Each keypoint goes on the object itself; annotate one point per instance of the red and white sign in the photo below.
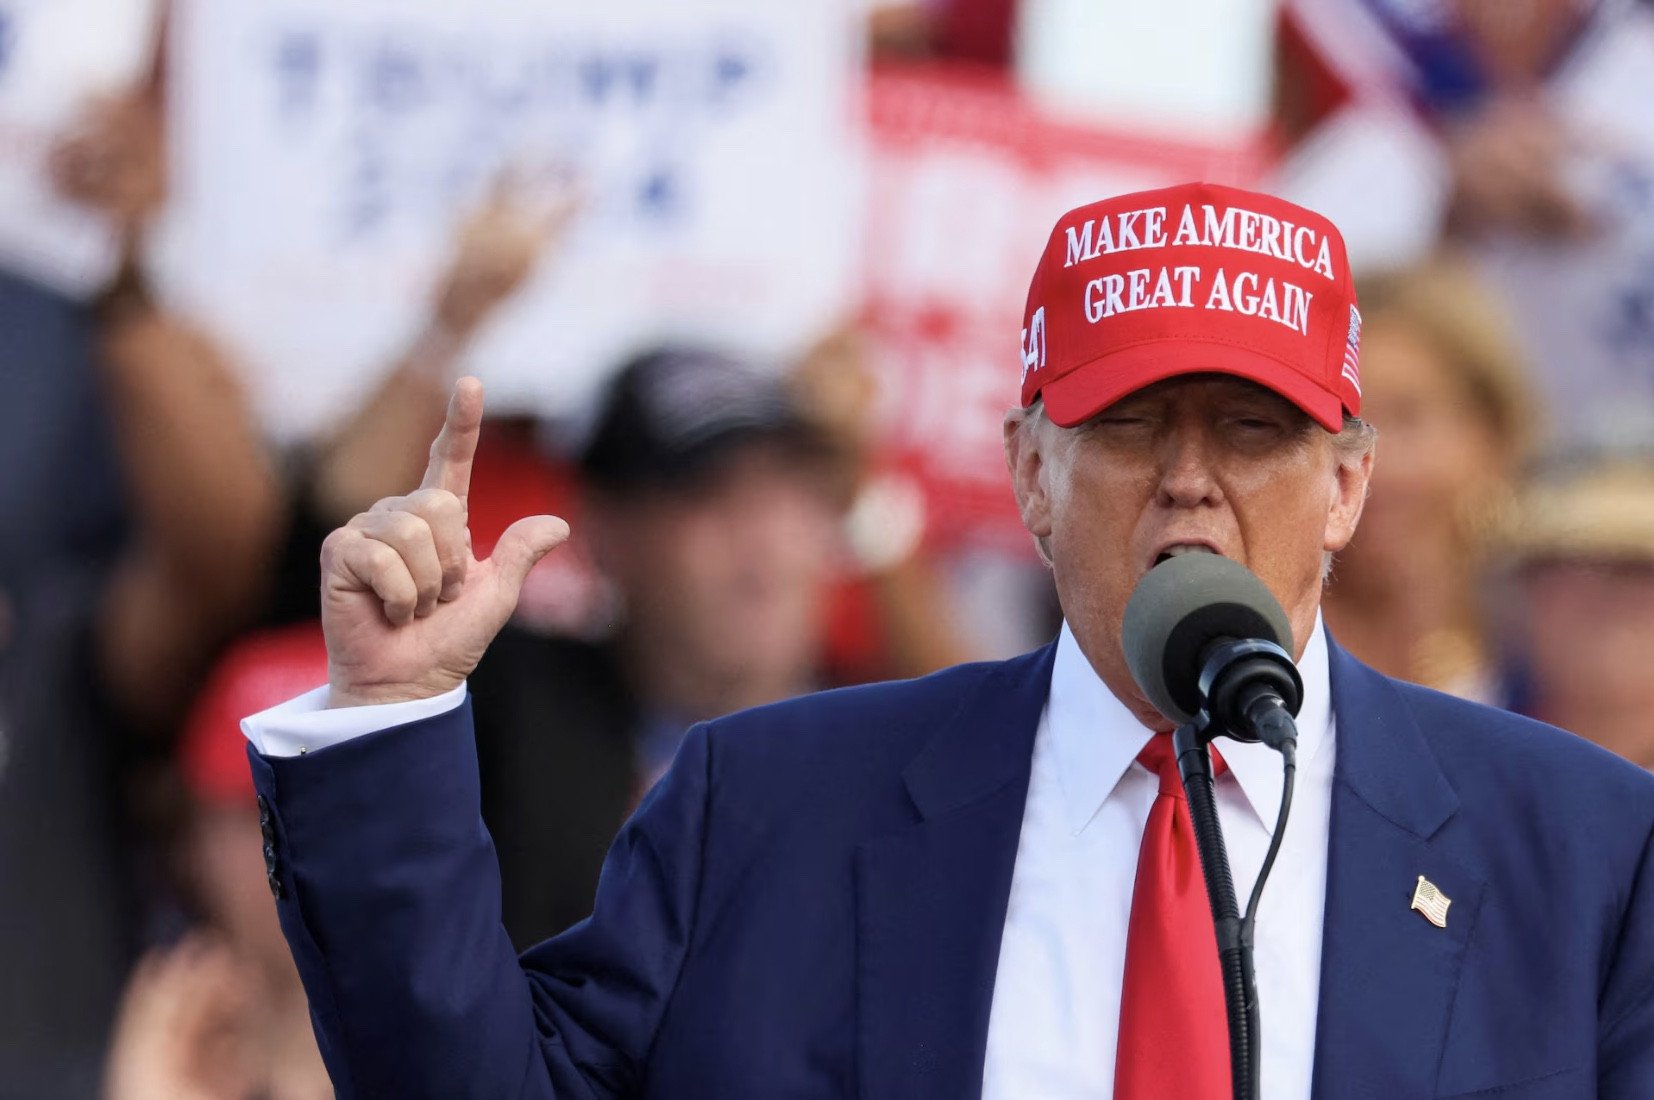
(968, 178)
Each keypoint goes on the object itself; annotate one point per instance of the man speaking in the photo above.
(983, 882)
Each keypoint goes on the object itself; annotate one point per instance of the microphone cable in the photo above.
(1289, 773)
(1235, 931)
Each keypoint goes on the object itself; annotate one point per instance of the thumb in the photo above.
(524, 544)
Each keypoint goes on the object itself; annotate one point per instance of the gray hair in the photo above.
(1354, 442)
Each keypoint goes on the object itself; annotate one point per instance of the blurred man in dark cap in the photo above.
(706, 509)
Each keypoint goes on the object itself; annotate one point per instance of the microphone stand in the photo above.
(1234, 931)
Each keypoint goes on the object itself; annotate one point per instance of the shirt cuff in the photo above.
(304, 724)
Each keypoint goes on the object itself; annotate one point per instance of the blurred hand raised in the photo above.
(1510, 165)
(113, 160)
(406, 609)
(497, 247)
(183, 1030)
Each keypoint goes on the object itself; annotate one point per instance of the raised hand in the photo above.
(113, 159)
(497, 247)
(1509, 162)
(182, 1032)
(406, 609)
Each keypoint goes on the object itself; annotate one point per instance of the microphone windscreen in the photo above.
(1181, 607)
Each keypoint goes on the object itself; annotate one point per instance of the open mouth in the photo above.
(1177, 549)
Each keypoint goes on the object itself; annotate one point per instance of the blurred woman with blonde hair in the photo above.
(1448, 391)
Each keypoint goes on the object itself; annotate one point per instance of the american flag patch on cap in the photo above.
(1352, 350)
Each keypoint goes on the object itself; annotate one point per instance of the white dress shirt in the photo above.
(1062, 958)
(1056, 1003)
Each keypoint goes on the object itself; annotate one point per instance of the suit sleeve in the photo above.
(388, 892)
(1626, 1041)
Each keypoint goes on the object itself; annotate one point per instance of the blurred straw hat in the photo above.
(1599, 509)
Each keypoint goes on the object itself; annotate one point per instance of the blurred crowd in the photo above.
(737, 540)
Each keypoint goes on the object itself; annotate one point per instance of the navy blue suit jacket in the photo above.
(810, 905)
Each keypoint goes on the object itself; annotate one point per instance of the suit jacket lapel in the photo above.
(931, 899)
(1388, 975)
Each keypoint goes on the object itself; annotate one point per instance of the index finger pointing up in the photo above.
(456, 444)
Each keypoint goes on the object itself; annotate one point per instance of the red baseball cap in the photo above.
(1192, 279)
(257, 672)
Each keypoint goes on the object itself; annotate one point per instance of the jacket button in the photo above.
(270, 865)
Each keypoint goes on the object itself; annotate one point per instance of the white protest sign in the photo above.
(326, 150)
(54, 56)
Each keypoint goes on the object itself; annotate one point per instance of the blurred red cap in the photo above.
(257, 672)
(1192, 279)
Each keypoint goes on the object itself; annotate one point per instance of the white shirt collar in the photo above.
(1097, 738)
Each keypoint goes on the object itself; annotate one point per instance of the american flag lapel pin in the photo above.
(1430, 902)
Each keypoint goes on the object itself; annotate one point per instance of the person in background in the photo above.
(714, 526)
(1583, 577)
(891, 614)
(220, 1015)
(1475, 70)
(191, 454)
(707, 506)
(733, 518)
(126, 437)
(1514, 134)
(1447, 391)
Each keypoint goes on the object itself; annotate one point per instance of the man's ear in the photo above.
(1026, 461)
(1349, 498)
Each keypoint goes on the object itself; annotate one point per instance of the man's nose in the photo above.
(1187, 477)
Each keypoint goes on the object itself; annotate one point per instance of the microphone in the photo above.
(1205, 641)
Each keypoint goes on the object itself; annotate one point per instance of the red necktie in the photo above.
(1174, 1032)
